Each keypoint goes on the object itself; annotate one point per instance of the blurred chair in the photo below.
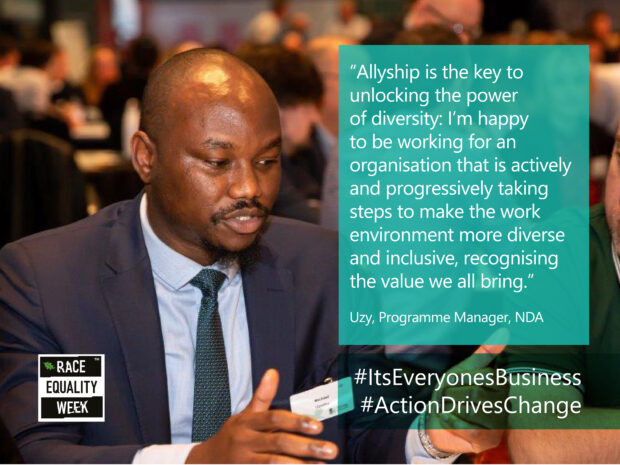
(41, 187)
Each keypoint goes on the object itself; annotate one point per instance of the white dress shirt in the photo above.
(179, 304)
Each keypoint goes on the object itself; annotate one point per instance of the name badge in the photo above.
(326, 401)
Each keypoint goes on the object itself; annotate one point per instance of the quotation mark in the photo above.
(353, 67)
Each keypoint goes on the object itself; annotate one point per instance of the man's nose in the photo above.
(244, 183)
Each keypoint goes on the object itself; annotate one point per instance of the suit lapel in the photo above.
(128, 287)
(268, 293)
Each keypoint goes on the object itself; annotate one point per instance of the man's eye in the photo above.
(216, 163)
(267, 161)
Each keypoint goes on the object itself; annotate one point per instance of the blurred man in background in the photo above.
(463, 17)
(267, 27)
(323, 51)
(350, 23)
(599, 24)
(10, 117)
(142, 57)
(298, 88)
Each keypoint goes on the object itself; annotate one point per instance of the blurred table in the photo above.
(91, 135)
(109, 177)
(91, 130)
(93, 161)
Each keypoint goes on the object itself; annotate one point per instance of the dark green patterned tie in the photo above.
(211, 390)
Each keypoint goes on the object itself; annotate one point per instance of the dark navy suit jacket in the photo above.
(88, 288)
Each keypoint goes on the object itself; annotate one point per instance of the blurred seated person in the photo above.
(31, 86)
(599, 25)
(10, 117)
(9, 55)
(350, 23)
(431, 34)
(592, 435)
(463, 17)
(142, 57)
(298, 88)
(62, 89)
(268, 25)
(323, 51)
(296, 35)
(67, 98)
(103, 70)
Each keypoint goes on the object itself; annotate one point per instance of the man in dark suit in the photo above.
(190, 292)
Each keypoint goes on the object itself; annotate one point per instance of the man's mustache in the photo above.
(239, 205)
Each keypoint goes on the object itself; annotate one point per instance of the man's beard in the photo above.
(247, 257)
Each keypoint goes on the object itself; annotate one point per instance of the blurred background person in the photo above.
(296, 32)
(9, 55)
(30, 80)
(599, 24)
(431, 34)
(10, 117)
(462, 16)
(298, 88)
(32, 84)
(349, 22)
(268, 26)
(323, 51)
(103, 70)
(141, 58)
(63, 90)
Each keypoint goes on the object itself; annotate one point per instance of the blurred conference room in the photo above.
(72, 74)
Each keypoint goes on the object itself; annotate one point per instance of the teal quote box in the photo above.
(463, 195)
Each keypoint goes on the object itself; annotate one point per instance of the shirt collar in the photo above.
(173, 268)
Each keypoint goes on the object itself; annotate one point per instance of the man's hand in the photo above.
(462, 432)
(260, 435)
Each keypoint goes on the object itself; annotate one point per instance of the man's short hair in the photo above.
(7, 45)
(432, 34)
(142, 54)
(38, 53)
(292, 76)
(279, 5)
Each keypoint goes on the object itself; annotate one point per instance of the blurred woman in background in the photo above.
(103, 70)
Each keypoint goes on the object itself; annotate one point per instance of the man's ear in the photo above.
(143, 153)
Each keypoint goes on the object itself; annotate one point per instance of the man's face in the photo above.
(602, 25)
(216, 174)
(347, 10)
(612, 195)
(105, 64)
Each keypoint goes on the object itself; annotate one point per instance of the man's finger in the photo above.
(490, 349)
(284, 420)
(265, 392)
(273, 458)
(295, 446)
